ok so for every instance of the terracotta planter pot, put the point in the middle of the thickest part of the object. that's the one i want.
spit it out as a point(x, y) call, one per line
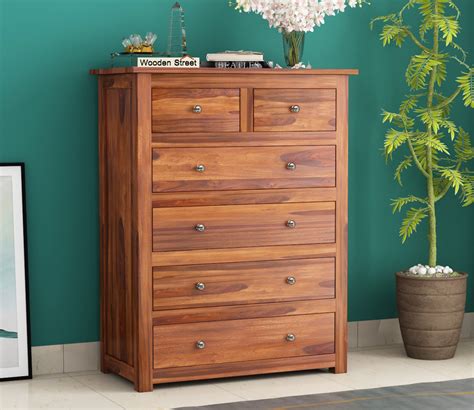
point(431, 311)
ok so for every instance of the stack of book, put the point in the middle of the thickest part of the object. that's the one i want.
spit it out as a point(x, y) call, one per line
point(237, 59)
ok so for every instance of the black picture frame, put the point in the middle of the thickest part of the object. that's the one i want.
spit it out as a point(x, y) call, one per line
point(23, 370)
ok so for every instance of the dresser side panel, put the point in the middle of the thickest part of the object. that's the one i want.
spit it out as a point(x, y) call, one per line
point(115, 162)
point(341, 224)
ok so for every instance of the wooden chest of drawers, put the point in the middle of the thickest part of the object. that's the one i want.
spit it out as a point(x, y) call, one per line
point(223, 222)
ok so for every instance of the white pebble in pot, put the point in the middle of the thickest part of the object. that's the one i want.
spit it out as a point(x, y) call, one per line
point(422, 270)
point(431, 271)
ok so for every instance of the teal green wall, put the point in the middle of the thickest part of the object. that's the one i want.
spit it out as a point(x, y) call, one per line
point(49, 121)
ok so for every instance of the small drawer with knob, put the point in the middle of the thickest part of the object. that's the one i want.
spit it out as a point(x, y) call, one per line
point(203, 169)
point(295, 109)
point(191, 286)
point(237, 226)
point(194, 344)
point(195, 110)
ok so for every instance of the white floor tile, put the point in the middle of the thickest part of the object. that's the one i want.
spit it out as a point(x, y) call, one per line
point(288, 384)
point(368, 368)
point(122, 392)
point(63, 392)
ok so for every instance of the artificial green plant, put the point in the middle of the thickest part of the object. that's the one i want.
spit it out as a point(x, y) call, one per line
point(438, 148)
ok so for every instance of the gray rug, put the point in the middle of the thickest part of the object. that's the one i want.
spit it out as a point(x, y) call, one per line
point(450, 395)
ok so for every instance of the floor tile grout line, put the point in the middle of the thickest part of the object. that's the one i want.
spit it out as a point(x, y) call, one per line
point(76, 378)
point(228, 391)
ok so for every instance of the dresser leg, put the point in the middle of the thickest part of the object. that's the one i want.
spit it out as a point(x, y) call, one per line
point(339, 368)
point(143, 386)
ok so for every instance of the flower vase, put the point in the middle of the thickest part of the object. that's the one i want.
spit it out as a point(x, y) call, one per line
point(293, 46)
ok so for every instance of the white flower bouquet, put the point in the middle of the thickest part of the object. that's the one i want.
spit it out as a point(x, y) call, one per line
point(293, 18)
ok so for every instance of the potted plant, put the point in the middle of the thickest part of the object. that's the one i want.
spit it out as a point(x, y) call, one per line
point(430, 298)
point(294, 18)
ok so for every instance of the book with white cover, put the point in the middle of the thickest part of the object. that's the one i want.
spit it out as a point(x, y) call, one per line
point(241, 55)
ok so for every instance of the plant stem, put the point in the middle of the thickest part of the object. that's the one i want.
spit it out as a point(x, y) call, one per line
point(429, 155)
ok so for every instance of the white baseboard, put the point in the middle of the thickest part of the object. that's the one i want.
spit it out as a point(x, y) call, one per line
point(79, 357)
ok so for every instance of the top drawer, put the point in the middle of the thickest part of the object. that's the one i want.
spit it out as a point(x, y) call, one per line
point(195, 110)
point(295, 110)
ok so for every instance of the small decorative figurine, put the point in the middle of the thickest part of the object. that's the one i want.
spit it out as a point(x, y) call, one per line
point(135, 44)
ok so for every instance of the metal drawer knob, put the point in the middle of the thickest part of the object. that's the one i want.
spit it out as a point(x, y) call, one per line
point(197, 109)
point(291, 280)
point(295, 108)
point(200, 344)
point(290, 337)
point(200, 228)
point(200, 168)
point(200, 286)
point(291, 224)
point(291, 166)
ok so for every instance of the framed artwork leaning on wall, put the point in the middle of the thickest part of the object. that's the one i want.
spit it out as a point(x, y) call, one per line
point(15, 346)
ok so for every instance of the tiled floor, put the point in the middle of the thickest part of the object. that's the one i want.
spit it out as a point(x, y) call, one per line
point(367, 368)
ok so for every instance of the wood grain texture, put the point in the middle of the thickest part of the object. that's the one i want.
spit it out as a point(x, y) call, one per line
point(242, 283)
point(263, 338)
point(341, 227)
point(216, 72)
point(243, 139)
point(142, 228)
point(317, 110)
point(242, 226)
point(118, 367)
point(243, 168)
point(116, 216)
point(252, 367)
point(151, 257)
point(103, 220)
point(235, 312)
point(172, 110)
point(243, 197)
point(261, 253)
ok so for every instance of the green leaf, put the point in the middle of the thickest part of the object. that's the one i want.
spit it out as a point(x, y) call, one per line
point(450, 127)
point(399, 203)
point(409, 104)
point(448, 25)
point(393, 140)
point(419, 68)
point(462, 147)
point(467, 196)
point(405, 164)
point(393, 32)
point(411, 221)
point(454, 177)
point(434, 142)
point(431, 118)
point(466, 82)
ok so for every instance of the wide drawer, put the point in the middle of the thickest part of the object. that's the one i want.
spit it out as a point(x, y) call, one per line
point(295, 110)
point(176, 287)
point(197, 169)
point(195, 110)
point(234, 226)
point(194, 344)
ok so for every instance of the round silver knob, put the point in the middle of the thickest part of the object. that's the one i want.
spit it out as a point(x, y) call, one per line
point(295, 108)
point(291, 280)
point(291, 166)
point(200, 344)
point(200, 168)
point(291, 224)
point(290, 337)
point(200, 228)
point(200, 286)
point(197, 109)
